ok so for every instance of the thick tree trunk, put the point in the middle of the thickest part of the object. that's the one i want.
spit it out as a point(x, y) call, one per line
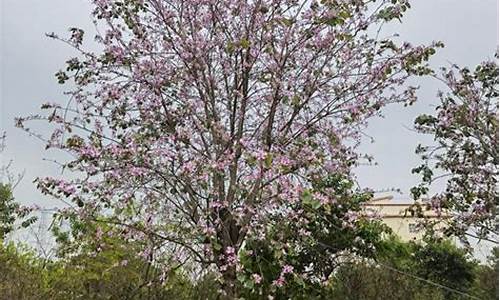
point(228, 236)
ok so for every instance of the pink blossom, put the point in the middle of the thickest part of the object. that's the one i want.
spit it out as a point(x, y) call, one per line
point(229, 250)
point(287, 269)
point(117, 53)
point(67, 188)
point(279, 282)
point(256, 278)
point(90, 151)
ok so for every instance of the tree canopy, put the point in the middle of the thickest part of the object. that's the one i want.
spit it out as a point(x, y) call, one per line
point(465, 151)
point(201, 120)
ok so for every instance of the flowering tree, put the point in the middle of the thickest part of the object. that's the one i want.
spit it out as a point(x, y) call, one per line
point(465, 152)
point(200, 119)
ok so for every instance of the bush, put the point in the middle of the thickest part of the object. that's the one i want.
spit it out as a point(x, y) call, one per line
point(22, 275)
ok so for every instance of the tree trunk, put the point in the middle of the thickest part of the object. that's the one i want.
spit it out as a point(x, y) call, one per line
point(229, 285)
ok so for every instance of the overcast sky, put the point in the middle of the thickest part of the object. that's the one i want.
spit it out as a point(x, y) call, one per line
point(28, 60)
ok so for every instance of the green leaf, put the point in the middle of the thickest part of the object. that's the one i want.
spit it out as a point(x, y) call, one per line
point(244, 43)
point(268, 160)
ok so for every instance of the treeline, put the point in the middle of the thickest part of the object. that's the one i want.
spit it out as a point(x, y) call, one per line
point(436, 271)
point(92, 261)
point(86, 268)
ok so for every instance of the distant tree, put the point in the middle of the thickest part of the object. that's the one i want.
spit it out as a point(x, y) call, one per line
point(432, 270)
point(444, 263)
point(88, 268)
point(95, 263)
point(200, 118)
point(7, 205)
point(10, 210)
point(486, 283)
point(465, 152)
point(21, 274)
point(361, 280)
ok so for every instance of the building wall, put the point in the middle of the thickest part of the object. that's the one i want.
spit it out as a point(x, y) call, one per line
point(405, 228)
point(396, 216)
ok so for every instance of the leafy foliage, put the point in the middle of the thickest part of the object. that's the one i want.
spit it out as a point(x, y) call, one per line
point(409, 271)
point(486, 283)
point(312, 243)
point(91, 273)
point(22, 275)
point(96, 264)
point(8, 209)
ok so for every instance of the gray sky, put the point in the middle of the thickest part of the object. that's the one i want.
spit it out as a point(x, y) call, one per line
point(469, 29)
point(28, 61)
